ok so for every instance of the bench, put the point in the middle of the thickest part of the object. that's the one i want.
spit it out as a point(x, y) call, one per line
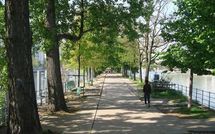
point(70, 85)
point(80, 90)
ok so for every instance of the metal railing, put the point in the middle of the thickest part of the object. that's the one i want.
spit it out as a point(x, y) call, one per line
point(203, 97)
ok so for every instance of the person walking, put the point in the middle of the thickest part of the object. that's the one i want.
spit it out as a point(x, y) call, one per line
point(147, 92)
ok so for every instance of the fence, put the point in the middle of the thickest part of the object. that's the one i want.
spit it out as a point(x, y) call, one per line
point(204, 98)
point(41, 89)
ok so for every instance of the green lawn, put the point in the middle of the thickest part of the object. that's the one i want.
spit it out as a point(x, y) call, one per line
point(195, 112)
point(168, 94)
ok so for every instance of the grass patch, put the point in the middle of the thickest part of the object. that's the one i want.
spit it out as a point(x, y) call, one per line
point(178, 105)
point(168, 94)
point(138, 83)
point(195, 112)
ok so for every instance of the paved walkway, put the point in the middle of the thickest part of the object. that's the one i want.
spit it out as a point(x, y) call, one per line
point(120, 112)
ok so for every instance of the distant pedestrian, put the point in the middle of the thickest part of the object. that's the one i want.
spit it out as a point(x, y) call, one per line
point(147, 92)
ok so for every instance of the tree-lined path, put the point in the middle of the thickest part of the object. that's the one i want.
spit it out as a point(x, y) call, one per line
point(120, 111)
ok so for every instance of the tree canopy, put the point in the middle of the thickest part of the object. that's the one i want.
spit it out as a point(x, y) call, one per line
point(192, 35)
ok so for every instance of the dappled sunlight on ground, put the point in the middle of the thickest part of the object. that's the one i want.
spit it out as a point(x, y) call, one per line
point(119, 111)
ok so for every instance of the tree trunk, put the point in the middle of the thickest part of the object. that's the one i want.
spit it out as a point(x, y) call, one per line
point(126, 72)
point(55, 87)
point(123, 71)
point(140, 67)
point(190, 89)
point(84, 77)
point(79, 65)
point(147, 72)
point(87, 74)
point(147, 55)
point(134, 75)
point(90, 74)
point(23, 114)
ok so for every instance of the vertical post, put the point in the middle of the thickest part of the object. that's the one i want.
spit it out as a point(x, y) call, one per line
point(209, 100)
point(79, 65)
point(64, 84)
point(46, 87)
point(40, 88)
point(38, 85)
point(182, 89)
point(202, 96)
point(196, 94)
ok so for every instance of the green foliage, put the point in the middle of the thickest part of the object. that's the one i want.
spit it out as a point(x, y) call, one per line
point(192, 36)
point(2, 24)
point(129, 55)
point(100, 56)
point(37, 17)
point(139, 85)
point(104, 19)
point(3, 62)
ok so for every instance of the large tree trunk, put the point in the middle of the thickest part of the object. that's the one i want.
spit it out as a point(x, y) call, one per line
point(55, 87)
point(23, 114)
point(190, 90)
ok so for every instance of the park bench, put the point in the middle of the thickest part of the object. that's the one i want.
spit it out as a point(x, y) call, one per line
point(80, 90)
point(70, 85)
